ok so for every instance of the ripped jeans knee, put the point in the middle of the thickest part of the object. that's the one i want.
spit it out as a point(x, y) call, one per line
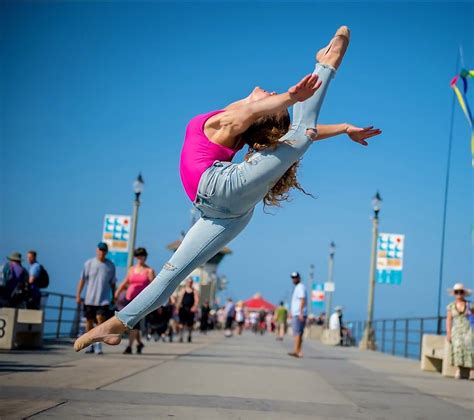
point(169, 267)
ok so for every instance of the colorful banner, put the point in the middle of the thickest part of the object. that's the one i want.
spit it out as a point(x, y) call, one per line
point(463, 102)
point(116, 234)
point(317, 296)
point(390, 258)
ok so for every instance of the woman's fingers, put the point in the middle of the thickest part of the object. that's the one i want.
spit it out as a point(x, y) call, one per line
point(313, 80)
point(308, 81)
point(317, 86)
point(369, 135)
point(304, 81)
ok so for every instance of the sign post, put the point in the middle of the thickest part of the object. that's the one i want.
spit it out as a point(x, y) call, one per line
point(116, 235)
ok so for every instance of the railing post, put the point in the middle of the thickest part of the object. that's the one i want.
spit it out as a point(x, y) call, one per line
point(60, 316)
point(440, 325)
point(394, 334)
point(407, 321)
point(383, 335)
point(422, 331)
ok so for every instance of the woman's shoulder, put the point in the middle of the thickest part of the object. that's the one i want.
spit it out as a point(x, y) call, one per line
point(198, 121)
point(451, 306)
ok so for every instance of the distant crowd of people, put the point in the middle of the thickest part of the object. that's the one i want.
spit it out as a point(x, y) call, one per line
point(21, 287)
point(178, 318)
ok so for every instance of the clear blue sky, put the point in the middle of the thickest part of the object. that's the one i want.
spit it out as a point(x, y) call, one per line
point(94, 93)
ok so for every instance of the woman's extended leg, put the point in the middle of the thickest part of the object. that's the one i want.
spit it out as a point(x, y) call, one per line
point(264, 169)
point(204, 240)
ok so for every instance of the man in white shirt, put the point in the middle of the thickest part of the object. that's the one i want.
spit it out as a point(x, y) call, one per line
point(335, 322)
point(299, 312)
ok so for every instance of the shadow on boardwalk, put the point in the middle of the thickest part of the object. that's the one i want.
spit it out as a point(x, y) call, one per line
point(246, 377)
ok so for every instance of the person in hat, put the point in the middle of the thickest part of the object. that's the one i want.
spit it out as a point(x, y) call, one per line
point(15, 281)
point(459, 330)
point(299, 312)
point(335, 321)
point(99, 278)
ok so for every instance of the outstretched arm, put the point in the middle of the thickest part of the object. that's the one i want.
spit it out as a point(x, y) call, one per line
point(237, 104)
point(234, 121)
point(359, 135)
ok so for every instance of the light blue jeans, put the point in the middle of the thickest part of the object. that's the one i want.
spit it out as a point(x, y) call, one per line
point(226, 198)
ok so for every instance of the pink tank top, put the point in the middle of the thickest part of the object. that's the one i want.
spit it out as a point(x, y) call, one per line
point(199, 153)
point(137, 282)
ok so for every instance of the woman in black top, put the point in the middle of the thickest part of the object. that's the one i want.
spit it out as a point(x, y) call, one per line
point(188, 301)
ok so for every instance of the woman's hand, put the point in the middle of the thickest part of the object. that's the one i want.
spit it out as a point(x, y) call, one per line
point(448, 337)
point(117, 294)
point(305, 88)
point(360, 135)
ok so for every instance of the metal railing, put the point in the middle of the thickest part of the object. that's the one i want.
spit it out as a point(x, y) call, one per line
point(399, 336)
point(62, 315)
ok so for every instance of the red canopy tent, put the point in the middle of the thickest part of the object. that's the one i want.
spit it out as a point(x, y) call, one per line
point(257, 303)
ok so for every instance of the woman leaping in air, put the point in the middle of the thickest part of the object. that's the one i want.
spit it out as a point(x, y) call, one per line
point(226, 193)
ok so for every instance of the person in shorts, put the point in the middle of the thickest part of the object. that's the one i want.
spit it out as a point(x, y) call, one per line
point(281, 316)
point(299, 312)
point(98, 276)
point(188, 301)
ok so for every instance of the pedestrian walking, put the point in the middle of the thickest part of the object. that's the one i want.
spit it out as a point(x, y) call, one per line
point(188, 301)
point(98, 276)
point(335, 322)
point(459, 330)
point(299, 312)
point(14, 290)
point(229, 310)
point(138, 277)
point(204, 320)
point(240, 316)
point(38, 278)
point(254, 321)
point(281, 316)
point(158, 323)
point(262, 322)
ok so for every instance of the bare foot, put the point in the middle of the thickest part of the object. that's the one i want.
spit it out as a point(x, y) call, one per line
point(334, 52)
point(109, 332)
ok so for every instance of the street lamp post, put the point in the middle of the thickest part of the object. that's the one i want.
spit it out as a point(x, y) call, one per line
point(310, 288)
point(332, 251)
point(137, 189)
point(368, 339)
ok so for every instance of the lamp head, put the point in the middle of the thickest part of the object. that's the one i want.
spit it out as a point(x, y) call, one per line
point(138, 185)
point(377, 202)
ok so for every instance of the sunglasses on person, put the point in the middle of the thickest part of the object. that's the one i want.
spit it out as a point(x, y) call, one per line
point(459, 292)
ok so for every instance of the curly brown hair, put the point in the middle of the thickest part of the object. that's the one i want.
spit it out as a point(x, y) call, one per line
point(265, 134)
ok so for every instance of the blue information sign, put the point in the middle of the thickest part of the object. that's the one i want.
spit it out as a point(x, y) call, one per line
point(390, 258)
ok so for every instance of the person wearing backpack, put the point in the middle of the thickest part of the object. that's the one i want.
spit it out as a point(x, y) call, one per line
point(14, 288)
point(38, 279)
